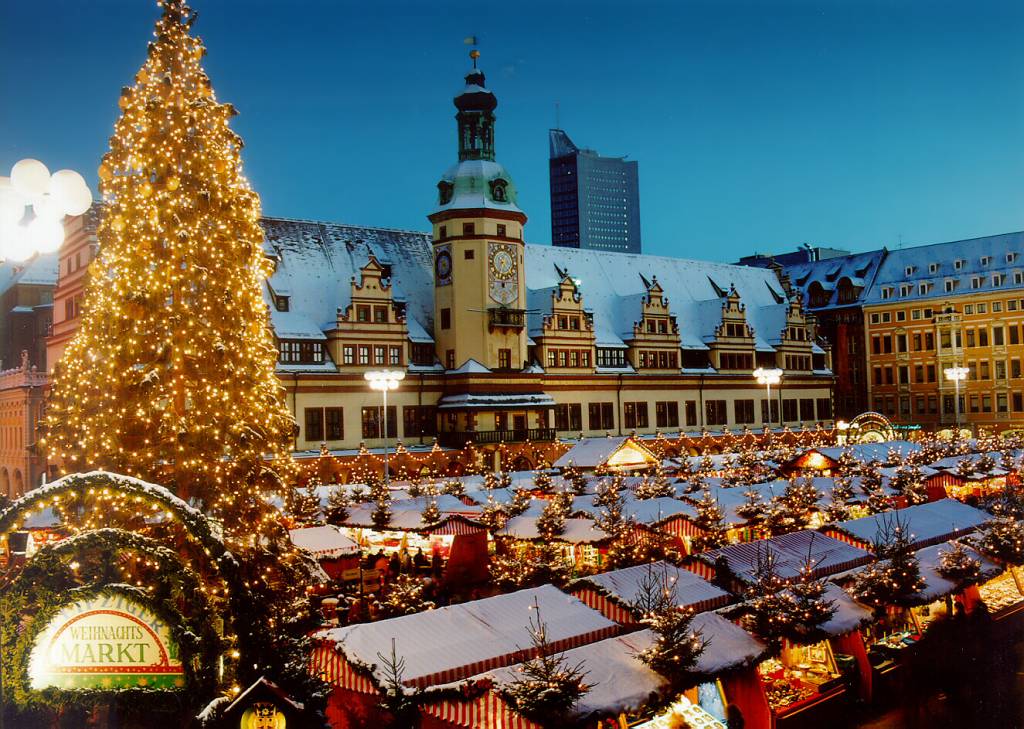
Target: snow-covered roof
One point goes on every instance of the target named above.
(454, 640)
(407, 514)
(323, 541)
(979, 258)
(928, 523)
(858, 269)
(293, 325)
(590, 453)
(866, 452)
(619, 681)
(40, 270)
(849, 614)
(644, 511)
(936, 585)
(791, 551)
(625, 585)
(577, 531)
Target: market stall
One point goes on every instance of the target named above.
(337, 554)
(582, 543)
(622, 689)
(618, 454)
(444, 645)
(616, 594)
(931, 523)
(1003, 595)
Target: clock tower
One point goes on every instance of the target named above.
(479, 283)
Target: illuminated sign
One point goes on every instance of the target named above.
(109, 641)
(263, 715)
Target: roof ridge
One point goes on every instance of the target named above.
(309, 221)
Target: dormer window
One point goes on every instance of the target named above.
(281, 303)
(909, 270)
(933, 268)
(887, 292)
(923, 288)
(975, 282)
(950, 285)
(985, 260)
(445, 190)
(958, 264)
(1011, 257)
(300, 352)
(498, 190)
(905, 289)
(997, 279)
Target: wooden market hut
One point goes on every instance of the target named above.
(615, 593)
(613, 454)
(662, 517)
(622, 686)
(734, 564)
(443, 646)
(337, 554)
(825, 460)
(582, 542)
(931, 523)
(457, 536)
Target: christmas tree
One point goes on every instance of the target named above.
(547, 685)
(753, 508)
(608, 490)
(304, 503)
(909, 481)
(711, 521)
(622, 551)
(551, 521)
(171, 376)
(493, 515)
(958, 565)
(1003, 538)
(677, 646)
(404, 595)
(381, 514)
(338, 505)
(575, 478)
(431, 514)
(896, 576)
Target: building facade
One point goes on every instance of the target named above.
(897, 319)
(502, 342)
(595, 200)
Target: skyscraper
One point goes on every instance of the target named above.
(595, 200)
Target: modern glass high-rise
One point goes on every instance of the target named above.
(595, 200)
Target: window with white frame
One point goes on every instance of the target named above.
(985, 260)
(950, 285)
(933, 268)
(958, 264)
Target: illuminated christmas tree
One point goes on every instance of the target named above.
(171, 375)
(676, 646)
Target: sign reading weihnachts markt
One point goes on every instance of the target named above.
(106, 642)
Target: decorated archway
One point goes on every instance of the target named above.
(102, 580)
(869, 427)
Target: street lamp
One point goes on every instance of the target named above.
(768, 377)
(957, 375)
(385, 380)
(50, 198)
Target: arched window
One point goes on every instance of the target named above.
(445, 190)
(498, 191)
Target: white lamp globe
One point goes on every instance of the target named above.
(68, 188)
(48, 207)
(30, 177)
(12, 207)
(45, 234)
(14, 243)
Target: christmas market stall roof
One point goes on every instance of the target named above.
(625, 586)
(407, 514)
(577, 531)
(323, 542)
(649, 512)
(458, 641)
(866, 452)
(849, 614)
(928, 524)
(616, 453)
(620, 682)
(830, 556)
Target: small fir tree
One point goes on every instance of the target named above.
(896, 575)
(304, 504)
(431, 514)
(547, 685)
(676, 646)
(551, 522)
(908, 480)
(1003, 538)
(542, 482)
(404, 596)
(576, 479)
(338, 506)
(520, 503)
(711, 522)
(493, 515)
(395, 700)
(752, 509)
(454, 487)
(381, 515)
(608, 490)
(958, 565)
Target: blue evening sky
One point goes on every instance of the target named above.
(758, 125)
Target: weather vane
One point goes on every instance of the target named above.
(472, 40)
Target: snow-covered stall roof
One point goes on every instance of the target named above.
(620, 681)
(407, 514)
(791, 552)
(849, 615)
(626, 585)
(323, 541)
(866, 452)
(451, 643)
(591, 453)
(577, 531)
(936, 585)
(929, 523)
(644, 511)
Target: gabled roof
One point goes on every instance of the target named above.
(591, 453)
(625, 585)
(928, 523)
(858, 268)
(829, 555)
(323, 541)
(577, 531)
(452, 642)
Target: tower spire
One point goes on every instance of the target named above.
(476, 106)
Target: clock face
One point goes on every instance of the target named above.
(502, 273)
(443, 266)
